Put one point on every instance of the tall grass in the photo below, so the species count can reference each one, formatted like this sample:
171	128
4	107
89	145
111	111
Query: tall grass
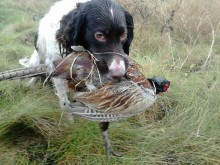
179	40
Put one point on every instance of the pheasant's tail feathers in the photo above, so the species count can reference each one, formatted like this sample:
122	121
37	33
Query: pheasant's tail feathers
23	73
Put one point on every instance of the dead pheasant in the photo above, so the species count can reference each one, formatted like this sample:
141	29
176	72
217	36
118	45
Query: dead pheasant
118	100
111	102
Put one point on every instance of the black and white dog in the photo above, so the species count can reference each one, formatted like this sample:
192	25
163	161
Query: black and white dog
99	26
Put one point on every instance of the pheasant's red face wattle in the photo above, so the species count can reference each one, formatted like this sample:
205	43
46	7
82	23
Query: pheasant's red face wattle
166	86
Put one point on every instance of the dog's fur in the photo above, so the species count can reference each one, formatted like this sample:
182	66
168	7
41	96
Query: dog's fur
101	26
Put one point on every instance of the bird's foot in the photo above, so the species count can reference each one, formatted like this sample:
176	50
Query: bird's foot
108	146
104	126
110	152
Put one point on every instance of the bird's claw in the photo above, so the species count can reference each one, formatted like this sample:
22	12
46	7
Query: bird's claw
110	152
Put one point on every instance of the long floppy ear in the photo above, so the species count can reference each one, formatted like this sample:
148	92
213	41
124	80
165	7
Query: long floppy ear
70	30
130	31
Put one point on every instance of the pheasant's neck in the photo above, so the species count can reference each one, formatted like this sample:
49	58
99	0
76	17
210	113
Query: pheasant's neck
136	76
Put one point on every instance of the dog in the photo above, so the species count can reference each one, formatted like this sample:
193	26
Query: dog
102	27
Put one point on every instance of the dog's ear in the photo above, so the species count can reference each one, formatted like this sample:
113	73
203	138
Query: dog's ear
70	29
130	31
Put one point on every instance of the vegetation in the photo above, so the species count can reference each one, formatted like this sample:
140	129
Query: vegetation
177	39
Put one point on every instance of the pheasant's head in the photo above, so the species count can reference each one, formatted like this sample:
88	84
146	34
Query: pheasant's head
161	84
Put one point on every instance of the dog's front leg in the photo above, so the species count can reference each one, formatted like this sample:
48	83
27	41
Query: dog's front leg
61	90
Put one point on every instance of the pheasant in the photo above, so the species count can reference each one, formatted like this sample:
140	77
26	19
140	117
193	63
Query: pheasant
98	98
120	100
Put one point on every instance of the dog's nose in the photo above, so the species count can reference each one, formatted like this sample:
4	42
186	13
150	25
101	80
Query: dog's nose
117	73
117	68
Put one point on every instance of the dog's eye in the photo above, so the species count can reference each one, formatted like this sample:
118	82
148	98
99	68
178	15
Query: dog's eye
123	36
100	36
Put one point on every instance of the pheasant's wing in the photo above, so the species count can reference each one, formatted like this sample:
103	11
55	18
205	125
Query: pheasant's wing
107	99
123	100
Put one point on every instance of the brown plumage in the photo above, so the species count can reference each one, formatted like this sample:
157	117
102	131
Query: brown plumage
76	66
119	100
114	102
109	100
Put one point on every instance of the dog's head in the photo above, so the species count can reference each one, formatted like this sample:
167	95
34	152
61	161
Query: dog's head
104	28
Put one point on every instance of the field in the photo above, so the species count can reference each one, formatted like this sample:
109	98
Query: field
177	39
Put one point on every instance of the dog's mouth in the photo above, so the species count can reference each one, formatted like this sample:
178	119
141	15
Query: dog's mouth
112	65
112	69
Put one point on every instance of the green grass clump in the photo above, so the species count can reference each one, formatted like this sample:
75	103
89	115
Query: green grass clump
181	128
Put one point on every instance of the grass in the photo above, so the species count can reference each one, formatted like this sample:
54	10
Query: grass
182	128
